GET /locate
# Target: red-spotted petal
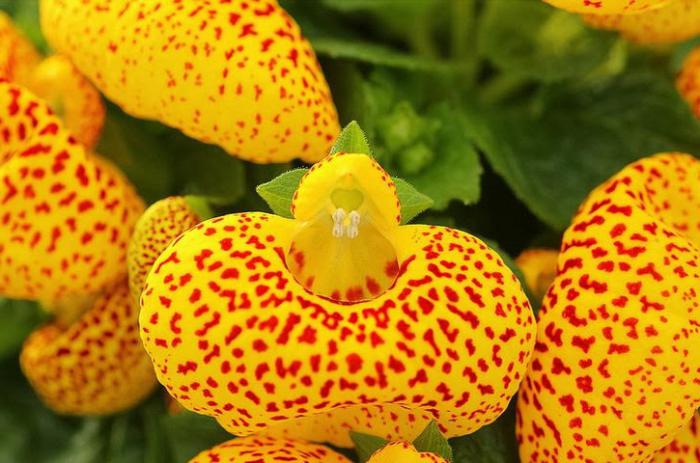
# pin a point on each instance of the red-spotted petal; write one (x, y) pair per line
(233, 335)
(685, 447)
(238, 74)
(97, 365)
(268, 450)
(603, 7)
(674, 22)
(162, 222)
(65, 215)
(405, 453)
(616, 367)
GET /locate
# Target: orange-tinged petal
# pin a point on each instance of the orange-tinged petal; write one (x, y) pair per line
(685, 447)
(616, 368)
(71, 96)
(237, 74)
(405, 453)
(268, 450)
(677, 21)
(162, 222)
(96, 366)
(539, 267)
(65, 215)
(602, 7)
(688, 81)
(234, 335)
(18, 57)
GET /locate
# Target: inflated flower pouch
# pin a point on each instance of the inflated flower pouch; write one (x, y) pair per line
(337, 319)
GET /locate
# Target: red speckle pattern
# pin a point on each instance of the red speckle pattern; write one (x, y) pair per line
(685, 447)
(616, 368)
(65, 216)
(235, 73)
(234, 336)
(268, 450)
(96, 366)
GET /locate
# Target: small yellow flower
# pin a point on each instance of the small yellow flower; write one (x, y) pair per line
(95, 366)
(539, 267)
(337, 319)
(616, 367)
(162, 222)
(238, 74)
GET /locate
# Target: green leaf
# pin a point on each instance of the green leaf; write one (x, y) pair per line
(17, 319)
(455, 172)
(431, 440)
(553, 154)
(378, 54)
(188, 434)
(494, 443)
(413, 202)
(352, 140)
(533, 40)
(366, 445)
(279, 191)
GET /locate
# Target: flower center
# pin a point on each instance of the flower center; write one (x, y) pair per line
(342, 249)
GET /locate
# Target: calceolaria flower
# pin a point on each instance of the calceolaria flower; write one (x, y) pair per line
(268, 450)
(685, 446)
(271, 450)
(675, 21)
(238, 74)
(616, 368)
(70, 95)
(162, 222)
(66, 215)
(539, 267)
(688, 81)
(338, 318)
(606, 7)
(96, 365)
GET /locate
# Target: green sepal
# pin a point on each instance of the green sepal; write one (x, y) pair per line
(352, 139)
(432, 441)
(366, 444)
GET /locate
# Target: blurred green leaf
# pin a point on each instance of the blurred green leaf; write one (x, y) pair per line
(189, 434)
(531, 39)
(17, 319)
(366, 444)
(552, 156)
(432, 441)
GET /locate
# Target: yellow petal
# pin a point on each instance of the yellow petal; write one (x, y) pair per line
(267, 450)
(237, 74)
(616, 367)
(347, 211)
(162, 222)
(96, 366)
(65, 216)
(539, 267)
(677, 21)
(685, 447)
(234, 336)
(601, 7)
(18, 57)
(405, 453)
(688, 81)
(71, 96)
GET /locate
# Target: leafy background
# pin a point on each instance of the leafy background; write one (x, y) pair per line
(505, 112)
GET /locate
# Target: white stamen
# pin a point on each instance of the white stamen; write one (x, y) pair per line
(338, 219)
(353, 228)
